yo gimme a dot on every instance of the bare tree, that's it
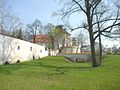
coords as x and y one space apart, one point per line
88 7
48 30
9 23
103 17
80 40
100 11
2 16
115 34
34 28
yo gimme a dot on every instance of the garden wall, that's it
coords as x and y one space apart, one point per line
13 49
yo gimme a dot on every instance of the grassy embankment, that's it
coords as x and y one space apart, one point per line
53 73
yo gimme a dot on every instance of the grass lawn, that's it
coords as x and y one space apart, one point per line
53 73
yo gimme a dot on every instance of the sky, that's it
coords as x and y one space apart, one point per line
29 10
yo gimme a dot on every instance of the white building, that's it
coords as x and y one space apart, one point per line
12 50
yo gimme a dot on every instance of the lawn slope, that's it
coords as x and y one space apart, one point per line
53 73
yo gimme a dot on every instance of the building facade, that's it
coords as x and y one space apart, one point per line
13 49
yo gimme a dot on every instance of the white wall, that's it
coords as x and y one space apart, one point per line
9 50
76 49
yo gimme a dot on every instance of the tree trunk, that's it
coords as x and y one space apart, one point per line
34 36
81 44
90 29
49 52
63 45
100 47
92 45
52 41
92 42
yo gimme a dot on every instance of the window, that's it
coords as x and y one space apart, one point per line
46 48
18 47
30 48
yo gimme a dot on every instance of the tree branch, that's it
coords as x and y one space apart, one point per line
96 4
104 30
79 6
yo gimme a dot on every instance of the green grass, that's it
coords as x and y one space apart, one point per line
53 73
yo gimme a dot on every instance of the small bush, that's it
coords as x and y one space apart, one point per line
18 61
6 63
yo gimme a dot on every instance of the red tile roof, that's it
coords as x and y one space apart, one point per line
42 38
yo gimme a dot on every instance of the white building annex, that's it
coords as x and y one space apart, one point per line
13 49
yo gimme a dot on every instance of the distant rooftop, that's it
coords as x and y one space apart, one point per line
42 38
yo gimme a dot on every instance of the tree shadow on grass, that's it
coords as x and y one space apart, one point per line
8 69
63 69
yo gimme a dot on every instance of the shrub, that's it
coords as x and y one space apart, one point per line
6 63
18 61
